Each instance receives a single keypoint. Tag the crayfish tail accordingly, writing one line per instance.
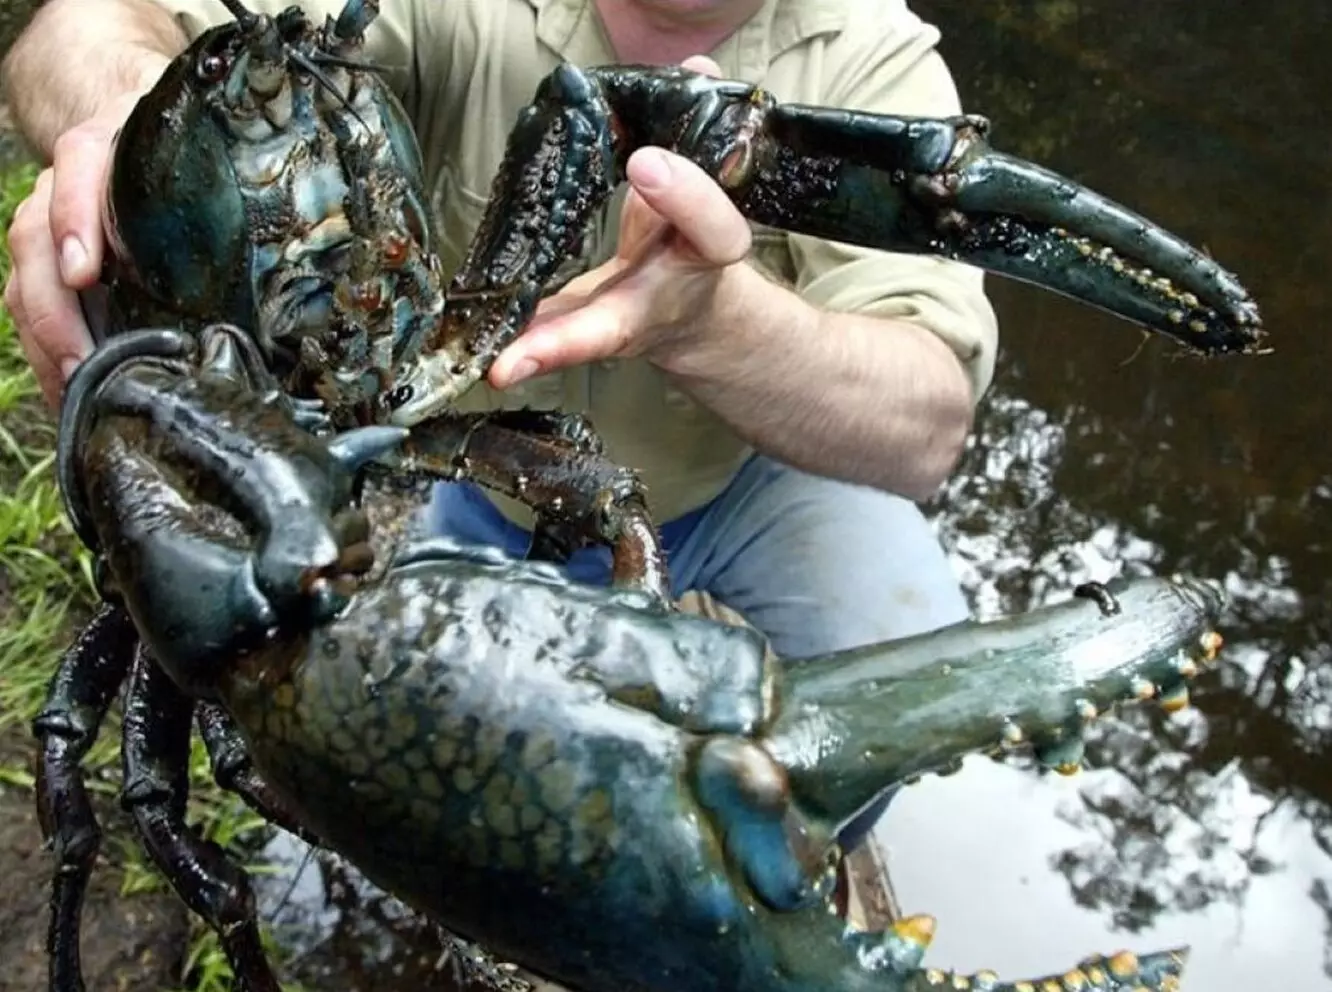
(856, 723)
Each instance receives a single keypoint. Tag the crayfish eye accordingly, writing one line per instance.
(213, 68)
(400, 396)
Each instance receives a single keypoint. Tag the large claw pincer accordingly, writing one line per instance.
(222, 522)
(858, 721)
(937, 187)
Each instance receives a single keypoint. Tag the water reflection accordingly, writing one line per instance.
(1096, 456)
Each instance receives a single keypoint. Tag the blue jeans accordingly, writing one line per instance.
(817, 565)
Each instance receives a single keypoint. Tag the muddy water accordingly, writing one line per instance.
(1095, 456)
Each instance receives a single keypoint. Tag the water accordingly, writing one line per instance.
(1096, 454)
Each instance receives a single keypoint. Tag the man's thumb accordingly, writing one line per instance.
(690, 201)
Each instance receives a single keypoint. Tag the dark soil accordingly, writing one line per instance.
(129, 943)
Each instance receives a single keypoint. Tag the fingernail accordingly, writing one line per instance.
(73, 258)
(652, 170)
(524, 369)
(68, 366)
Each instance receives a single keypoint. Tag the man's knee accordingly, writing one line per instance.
(821, 566)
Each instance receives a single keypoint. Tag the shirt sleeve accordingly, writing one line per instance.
(894, 68)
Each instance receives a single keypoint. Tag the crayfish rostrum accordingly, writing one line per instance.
(583, 780)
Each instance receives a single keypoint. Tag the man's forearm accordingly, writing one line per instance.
(872, 400)
(77, 55)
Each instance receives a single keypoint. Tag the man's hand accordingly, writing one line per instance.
(57, 242)
(681, 241)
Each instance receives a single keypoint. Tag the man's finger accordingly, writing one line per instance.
(602, 329)
(48, 376)
(49, 379)
(49, 320)
(592, 334)
(79, 169)
(691, 202)
(81, 160)
(703, 64)
(640, 225)
(583, 289)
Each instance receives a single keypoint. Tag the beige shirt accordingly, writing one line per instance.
(465, 68)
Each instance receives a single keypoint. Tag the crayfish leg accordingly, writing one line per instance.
(77, 701)
(156, 751)
(561, 165)
(554, 464)
(897, 951)
(235, 772)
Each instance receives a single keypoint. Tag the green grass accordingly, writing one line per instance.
(46, 590)
(46, 573)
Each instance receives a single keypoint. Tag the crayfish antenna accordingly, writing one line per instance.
(322, 79)
(351, 65)
(244, 16)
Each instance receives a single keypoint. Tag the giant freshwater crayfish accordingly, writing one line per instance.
(583, 780)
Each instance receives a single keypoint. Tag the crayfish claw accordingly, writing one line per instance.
(1121, 972)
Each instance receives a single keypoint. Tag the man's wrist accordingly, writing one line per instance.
(744, 311)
